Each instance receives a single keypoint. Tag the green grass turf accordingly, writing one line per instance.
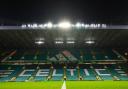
(69, 85)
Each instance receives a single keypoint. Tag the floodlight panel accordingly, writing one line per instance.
(90, 42)
(70, 42)
(39, 42)
(59, 42)
(64, 25)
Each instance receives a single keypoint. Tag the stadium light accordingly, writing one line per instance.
(70, 42)
(78, 25)
(64, 25)
(49, 25)
(23, 26)
(39, 42)
(59, 42)
(90, 42)
(35, 25)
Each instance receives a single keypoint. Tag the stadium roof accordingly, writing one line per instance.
(59, 38)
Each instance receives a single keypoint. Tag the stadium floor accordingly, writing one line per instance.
(69, 85)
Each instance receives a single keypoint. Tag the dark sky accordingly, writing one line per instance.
(88, 11)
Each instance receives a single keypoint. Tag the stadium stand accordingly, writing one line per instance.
(72, 74)
(92, 72)
(57, 74)
(72, 64)
(71, 55)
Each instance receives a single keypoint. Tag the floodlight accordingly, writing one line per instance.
(64, 25)
(23, 26)
(35, 25)
(59, 42)
(39, 42)
(70, 42)
(41, 26)
(90, 42)
(78, 25)
(49, 25)
(29, 25)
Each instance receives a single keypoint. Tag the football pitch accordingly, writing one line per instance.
(69, 85)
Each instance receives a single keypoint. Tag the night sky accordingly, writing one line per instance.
(91, 11)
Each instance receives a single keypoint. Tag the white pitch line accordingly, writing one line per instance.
(64, 85)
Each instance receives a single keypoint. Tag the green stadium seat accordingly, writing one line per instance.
(58, 74)
(90, 76)
(73, 75)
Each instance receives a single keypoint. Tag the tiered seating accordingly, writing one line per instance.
(65, 55)
(76, 53)
(104, 74)
(4, 54)
(70, 58)
(52, 55)
(98, 54)
(53, 52)
(17, 56)
(4, 72)
(26, 75)
(123, 52)
(30, 55)
(110, 55)
(72, 74)
(57, 74)
(87, 55)
(87, 74)
(8, 72)
(42, 75)
(118, 72)
(42, 55)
